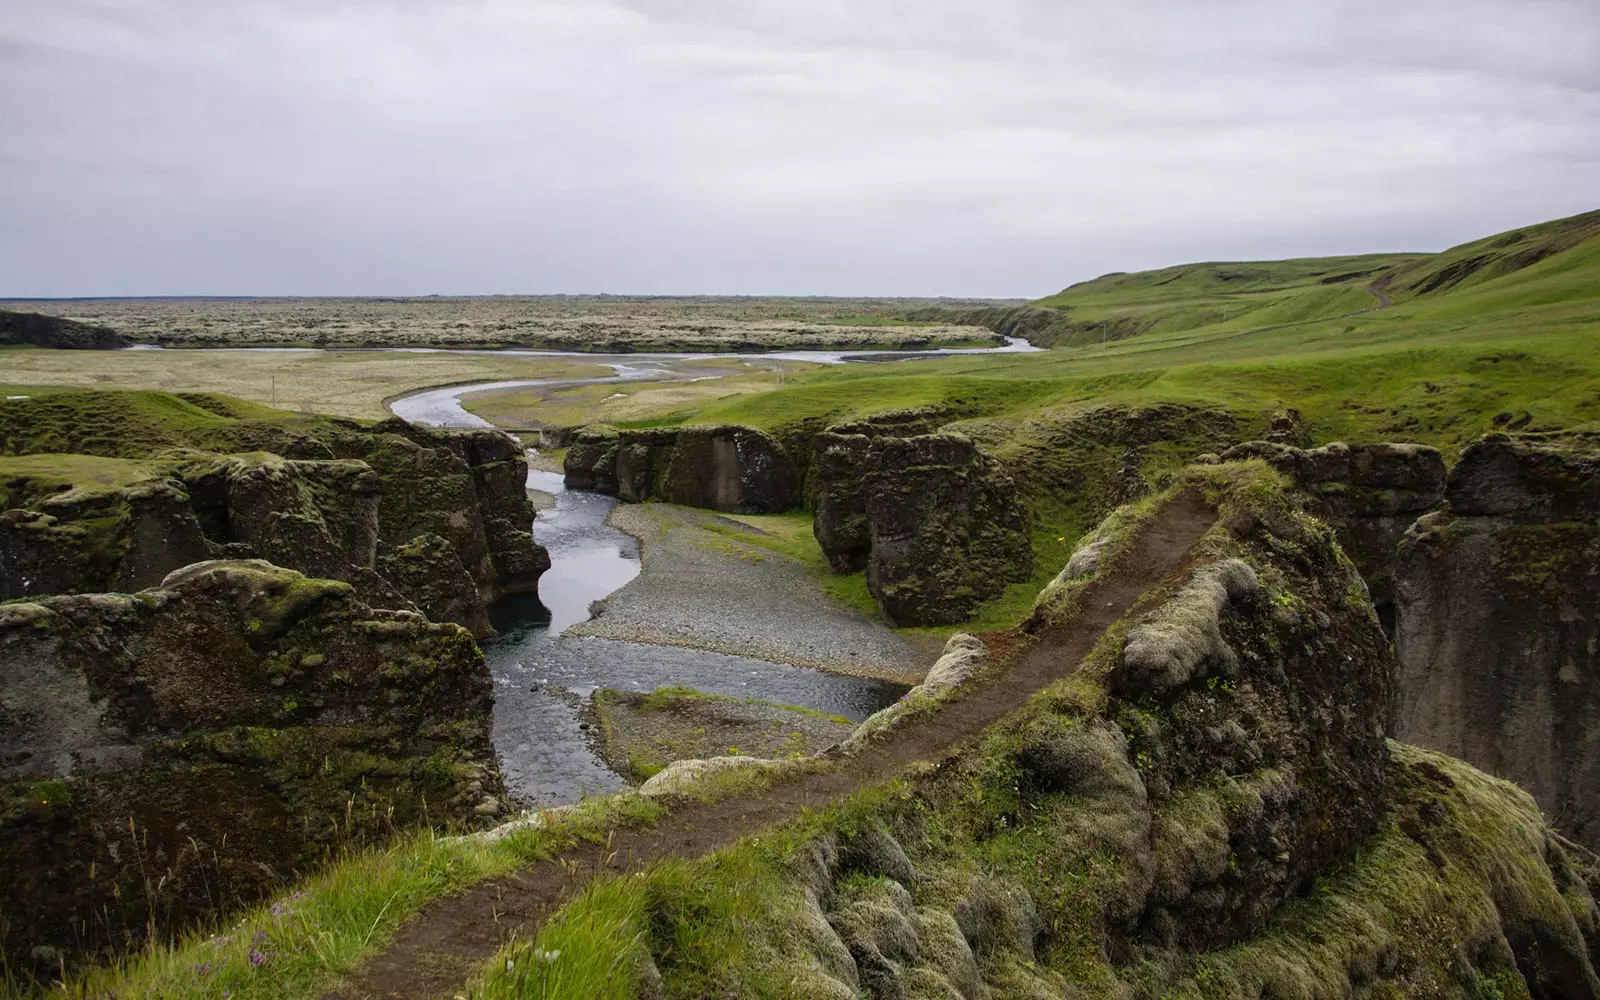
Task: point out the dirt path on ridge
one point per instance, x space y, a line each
433 954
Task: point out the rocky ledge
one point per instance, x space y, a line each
178 752
1499 621
937 523
413 519
1369 493
738 470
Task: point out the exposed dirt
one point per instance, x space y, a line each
434 953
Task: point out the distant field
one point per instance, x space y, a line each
340 383
1502 331
581 323
1503 324
626 402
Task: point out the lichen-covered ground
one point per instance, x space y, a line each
568 322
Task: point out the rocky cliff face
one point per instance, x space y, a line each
180 751
412 519
1499 621
1369 493
1206 808
936 523
734 469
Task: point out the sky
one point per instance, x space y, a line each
843 147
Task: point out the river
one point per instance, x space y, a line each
442 407
543 678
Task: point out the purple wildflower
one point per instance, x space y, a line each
258 958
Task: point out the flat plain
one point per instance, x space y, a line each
603 323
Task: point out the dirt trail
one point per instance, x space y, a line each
433 954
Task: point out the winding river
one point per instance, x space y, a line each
543 679
442 407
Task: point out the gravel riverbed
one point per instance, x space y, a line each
702 587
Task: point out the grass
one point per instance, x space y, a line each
138 423
723 924
27 479
624 403
342 383
790 535
1228 295
1460 351
297 945
642 734
671 696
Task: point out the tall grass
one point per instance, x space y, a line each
300 943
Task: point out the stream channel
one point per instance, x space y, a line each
542 679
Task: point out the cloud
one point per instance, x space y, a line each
868 147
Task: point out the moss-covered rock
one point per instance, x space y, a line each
1206 808
729 468
389 499
174 753
1370 494
936 522
98 539
1498 631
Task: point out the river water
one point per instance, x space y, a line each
442 407
543 679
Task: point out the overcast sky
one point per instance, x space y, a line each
983 147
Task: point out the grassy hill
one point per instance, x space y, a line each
1503 324
1221 299
1500 331
1196 296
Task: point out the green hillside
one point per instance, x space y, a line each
1502 331
1196 296
1539 265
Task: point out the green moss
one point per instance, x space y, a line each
1537 556
1419 905
36 801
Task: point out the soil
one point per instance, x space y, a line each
435 952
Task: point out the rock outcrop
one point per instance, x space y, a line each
175 753
1369 493
733 469
1206 808
936 523
1498 631
413 519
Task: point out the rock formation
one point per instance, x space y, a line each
1369 493
1207 807
734 469
1498 630
936 523
414 519
180 751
